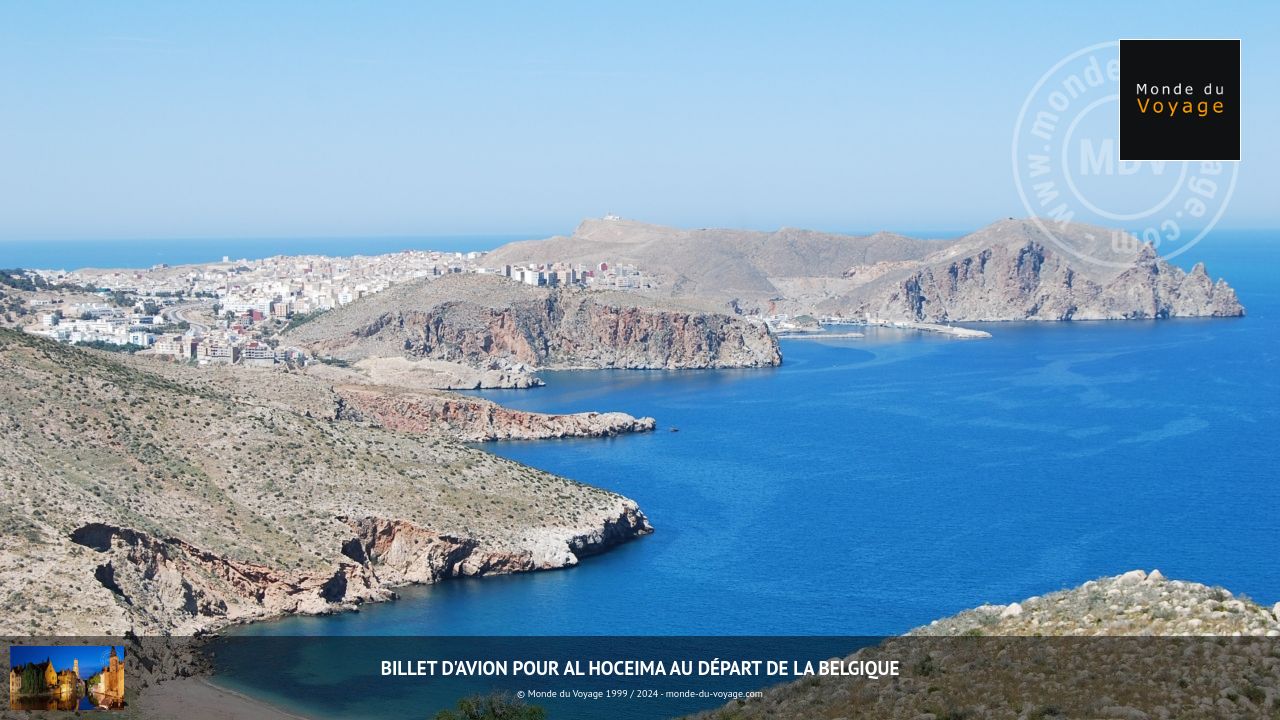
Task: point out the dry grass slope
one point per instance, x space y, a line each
237 478
1133 646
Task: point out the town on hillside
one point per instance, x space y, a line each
232 311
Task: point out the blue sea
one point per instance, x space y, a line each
868 486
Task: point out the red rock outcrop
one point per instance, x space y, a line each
475 419
479 320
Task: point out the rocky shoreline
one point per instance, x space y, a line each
482 320
472 419
191 590
191 500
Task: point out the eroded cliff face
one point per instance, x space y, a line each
396 552
172 584
578 333
479 321
1010 270
1024 278
474 419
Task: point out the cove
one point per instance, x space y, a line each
869 486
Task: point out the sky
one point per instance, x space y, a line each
92 657
247 119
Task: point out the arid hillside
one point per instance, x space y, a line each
715 261
1137 645
157 498
487 321
1009 270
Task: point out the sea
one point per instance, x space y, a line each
868 486
74 254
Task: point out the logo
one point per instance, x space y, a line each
1180 100
1068 169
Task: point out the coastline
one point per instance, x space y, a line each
175 696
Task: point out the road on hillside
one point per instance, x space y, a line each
177 313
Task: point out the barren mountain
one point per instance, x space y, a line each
158 498
1010 270
480 320
716 263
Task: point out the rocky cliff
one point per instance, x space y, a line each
189 499
473 419
1136 645
396 552
1011 271
478 319
170 583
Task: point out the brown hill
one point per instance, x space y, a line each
715 262
160 498
1010 270
482 320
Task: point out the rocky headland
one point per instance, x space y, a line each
1010 270
1132 646
483 320
152 498
472 419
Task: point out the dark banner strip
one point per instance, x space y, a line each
727 677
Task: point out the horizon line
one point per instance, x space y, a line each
918 232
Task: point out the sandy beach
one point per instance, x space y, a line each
200 699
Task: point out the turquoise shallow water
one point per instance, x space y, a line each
869 486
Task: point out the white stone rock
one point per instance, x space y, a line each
1133 577
1275 610
1013 610
1155 576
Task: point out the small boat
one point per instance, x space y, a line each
674 429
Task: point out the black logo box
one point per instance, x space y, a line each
1187 68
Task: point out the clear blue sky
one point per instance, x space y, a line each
227 119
